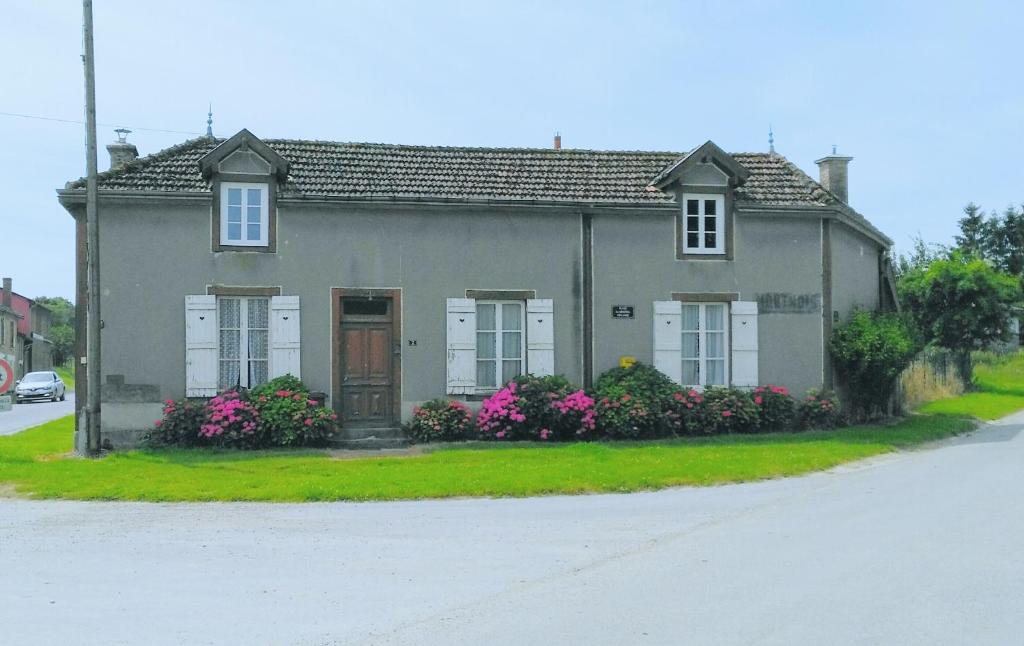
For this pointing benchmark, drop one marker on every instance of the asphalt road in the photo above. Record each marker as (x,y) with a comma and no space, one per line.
(923,547)
(22,416)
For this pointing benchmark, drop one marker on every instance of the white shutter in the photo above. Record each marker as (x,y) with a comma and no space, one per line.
(285,333)
(461,346)
(200,346)
(744,344)
(668,339)
(540,336)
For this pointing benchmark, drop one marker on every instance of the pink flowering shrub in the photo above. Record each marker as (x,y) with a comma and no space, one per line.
(777,409)
(230,421)
(537,408)
(440,420)
(631,402)
(179,425)
(685,413)
(287,415)
(821,410)
(731,410)
(278,413)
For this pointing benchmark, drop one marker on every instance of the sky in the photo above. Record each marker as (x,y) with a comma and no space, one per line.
(927,97)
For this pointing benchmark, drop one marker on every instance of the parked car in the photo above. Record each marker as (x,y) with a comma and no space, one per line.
(44,384)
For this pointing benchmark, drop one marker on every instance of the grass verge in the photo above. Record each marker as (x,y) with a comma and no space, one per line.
(37,463)
(67,375)
(999,383)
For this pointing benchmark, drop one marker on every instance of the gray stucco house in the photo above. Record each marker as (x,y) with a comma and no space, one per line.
(387,275)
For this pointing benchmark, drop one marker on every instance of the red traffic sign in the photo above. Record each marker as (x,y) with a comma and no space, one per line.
(6,376)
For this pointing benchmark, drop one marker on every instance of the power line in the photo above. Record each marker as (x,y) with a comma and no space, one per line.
(105,125)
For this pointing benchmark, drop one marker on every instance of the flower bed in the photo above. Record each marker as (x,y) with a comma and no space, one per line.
(639,402)
(278,413)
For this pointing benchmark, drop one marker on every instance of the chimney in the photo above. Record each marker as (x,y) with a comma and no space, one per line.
(121,152)
(5,298)
(558,141)
(834,175)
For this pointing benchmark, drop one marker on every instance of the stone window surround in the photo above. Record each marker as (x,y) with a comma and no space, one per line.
(271,186)
(728,216)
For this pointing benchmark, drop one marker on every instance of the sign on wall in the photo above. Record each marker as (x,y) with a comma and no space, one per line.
(623,311)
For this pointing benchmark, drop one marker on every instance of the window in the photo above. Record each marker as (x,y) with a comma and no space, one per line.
(244,342)
(704,223)
(244,218)
(499,342)
(705,343)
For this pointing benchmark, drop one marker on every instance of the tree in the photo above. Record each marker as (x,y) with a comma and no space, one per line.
(870,351)
(975,232)
(961,303)
(62,326)
(922,255)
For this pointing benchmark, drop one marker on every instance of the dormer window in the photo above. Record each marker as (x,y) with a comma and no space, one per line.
(704,223)
(244,217)
(245,176)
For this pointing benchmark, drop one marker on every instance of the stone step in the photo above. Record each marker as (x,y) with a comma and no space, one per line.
(358,433)
(371,443)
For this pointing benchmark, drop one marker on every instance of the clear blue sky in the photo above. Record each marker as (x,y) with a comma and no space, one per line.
(926,96)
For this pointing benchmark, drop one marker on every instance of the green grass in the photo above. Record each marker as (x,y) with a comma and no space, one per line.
(999,390)
(37,463)
(67,375)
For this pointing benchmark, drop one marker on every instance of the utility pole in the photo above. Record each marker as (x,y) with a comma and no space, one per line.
(92,259)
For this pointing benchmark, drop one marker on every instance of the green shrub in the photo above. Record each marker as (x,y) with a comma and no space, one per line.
(288,417)
(820,410)
(870,351)
(631,402)
(731,410)
(777,410)
(440,420)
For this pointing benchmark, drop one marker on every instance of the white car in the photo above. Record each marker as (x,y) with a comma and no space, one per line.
(44,384)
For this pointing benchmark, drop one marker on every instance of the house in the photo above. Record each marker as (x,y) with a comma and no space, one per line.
(24,334)
(387,275)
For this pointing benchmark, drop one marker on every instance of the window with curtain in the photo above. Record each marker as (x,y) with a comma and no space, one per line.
(244,342)
(499,342)
(705,344)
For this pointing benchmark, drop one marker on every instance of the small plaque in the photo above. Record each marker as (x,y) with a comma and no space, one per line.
(622,311)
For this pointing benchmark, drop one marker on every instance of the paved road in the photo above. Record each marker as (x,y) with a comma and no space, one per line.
(29,414)
(916,548)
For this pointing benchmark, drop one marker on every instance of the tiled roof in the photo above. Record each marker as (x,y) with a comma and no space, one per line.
(381,170)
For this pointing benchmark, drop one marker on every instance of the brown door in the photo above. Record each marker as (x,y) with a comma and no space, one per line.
(366,348)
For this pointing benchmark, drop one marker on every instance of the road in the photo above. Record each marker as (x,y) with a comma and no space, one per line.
(22,416)
(921,547)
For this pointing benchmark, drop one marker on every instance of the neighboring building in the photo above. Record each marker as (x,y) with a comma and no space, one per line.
(10,343)
(387,275)
(24,332)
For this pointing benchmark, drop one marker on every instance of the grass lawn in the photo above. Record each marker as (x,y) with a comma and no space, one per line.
(37,463)
(67,375)
(999,383)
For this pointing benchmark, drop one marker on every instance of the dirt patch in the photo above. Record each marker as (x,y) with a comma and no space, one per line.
(7,491)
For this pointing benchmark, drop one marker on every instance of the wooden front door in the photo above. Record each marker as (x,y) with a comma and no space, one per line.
(366,362)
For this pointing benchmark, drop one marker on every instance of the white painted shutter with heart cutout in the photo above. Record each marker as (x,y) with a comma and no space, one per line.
(200,346)
(461,346)
(285,337)
(744,344)
(540,336)
(668,339)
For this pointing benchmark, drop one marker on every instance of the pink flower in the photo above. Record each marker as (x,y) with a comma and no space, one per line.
(677,396)
(726,413)
(759,400)
(499,434)
(158,423)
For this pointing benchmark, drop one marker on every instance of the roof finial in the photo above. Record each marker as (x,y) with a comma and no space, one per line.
(209,122)
(833,149)
(771,139)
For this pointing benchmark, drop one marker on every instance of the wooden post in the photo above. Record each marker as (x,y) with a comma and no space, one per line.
(92,347)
